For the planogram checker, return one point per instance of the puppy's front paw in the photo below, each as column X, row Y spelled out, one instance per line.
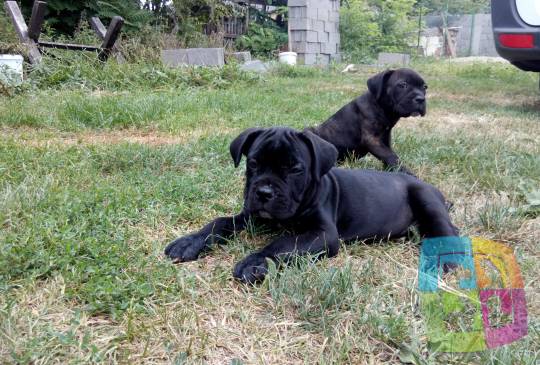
column 251, row 269
column 185, row 248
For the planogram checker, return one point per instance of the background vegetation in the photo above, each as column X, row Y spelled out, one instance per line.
column 367, row 26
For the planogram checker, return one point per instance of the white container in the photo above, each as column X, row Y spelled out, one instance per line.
column 288, row 57
column 11, row 69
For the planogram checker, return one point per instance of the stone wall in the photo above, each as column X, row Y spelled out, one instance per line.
column 314, row 30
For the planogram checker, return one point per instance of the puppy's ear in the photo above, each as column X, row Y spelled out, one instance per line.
column 323, row 154
column 377, row 84
column 241, row 144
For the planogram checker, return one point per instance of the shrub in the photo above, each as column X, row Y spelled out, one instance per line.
column 368, row 27
column 262, row 40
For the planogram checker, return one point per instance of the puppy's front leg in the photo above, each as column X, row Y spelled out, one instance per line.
column 188, row 248
column 254, row 267
column 387, row 156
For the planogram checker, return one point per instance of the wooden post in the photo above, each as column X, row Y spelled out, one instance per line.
column 110, row 37
column 22, row 30
column 36, row 20
column 98, row 27
column 101, row 31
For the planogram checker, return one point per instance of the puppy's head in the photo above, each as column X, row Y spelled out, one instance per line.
column 282, row 167
column 402, row 90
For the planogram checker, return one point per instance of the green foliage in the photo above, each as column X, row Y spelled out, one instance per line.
column 64, row 16
column 455, row 6
column 262, row 40
column 84, row 72
column 371, row 26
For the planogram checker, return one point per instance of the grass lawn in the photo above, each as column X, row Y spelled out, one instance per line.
column 97, row 174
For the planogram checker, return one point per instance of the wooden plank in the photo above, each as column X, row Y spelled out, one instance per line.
column 18, row 21
column 110, row 38
column 98, row 27
column 36, row 20
column 73, row 47
column 22, row 31
column 101, row 31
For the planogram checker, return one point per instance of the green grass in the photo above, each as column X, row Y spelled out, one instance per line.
column 100, row 166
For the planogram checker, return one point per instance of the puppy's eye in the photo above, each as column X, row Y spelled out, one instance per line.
column 252, row 164
column 403, row 85
column 425, row 87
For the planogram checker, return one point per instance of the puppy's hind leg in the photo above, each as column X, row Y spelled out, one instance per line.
column 430, row 211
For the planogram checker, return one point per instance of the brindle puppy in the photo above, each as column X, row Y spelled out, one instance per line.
column 365, row 124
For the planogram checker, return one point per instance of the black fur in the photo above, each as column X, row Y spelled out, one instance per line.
column 365, row 124
column 290, row 180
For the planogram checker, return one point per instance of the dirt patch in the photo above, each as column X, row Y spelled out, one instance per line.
column 495, row 99
column 35, row 138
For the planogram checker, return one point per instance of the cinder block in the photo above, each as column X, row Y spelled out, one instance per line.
column 311, row 12
column 174, row 57
column 306, row 47
column 241, row 57
column 298, row 35
column 312, row 36
column 333, row 37
column 323, row 37
column 297, row 2
column 307, row 58
column 333, row 16
column 323, row 59
column 331, row 27
column 322, row 14
column 318, row 25
column 304, row 36
column 193, row 56
column 297, row 12
column 329, row 48
column 394, row 59
column 206, row 56
column 300, row 24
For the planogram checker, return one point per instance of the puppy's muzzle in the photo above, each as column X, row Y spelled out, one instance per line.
column 420, row 100
column 265, row 193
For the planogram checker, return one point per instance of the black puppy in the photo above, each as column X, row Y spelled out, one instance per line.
column 365, row 124
column 290, row 180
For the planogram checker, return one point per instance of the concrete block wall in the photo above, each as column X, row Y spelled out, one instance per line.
column 475, row 36
column 314, row 30
column 481, row 43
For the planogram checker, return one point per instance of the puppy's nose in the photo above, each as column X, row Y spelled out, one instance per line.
column 265, row 193
column 420, row 99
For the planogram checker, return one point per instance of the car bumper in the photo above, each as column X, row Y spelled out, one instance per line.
column 506, row 21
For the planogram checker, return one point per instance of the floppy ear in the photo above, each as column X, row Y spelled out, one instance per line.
column 241, row 144
column 323, row 154
column 376, row 84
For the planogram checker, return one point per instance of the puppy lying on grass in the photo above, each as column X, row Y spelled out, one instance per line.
column 290, row 180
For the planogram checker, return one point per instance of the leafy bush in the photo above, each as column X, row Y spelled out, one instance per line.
column 261, row 40
column 65, row 15
column 368, row 27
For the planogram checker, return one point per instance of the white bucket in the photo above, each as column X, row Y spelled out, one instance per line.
column 288, row 58
column 11, row 69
